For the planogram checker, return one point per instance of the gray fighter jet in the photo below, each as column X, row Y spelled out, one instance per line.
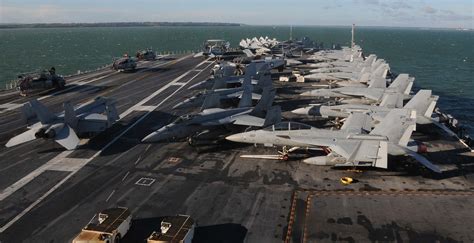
column 401, row 85
column 244, row 115
column 379, row 69
column 423, row 102
column 348, row 146
column 227, row 79
column 92, row 117
column 213, row 98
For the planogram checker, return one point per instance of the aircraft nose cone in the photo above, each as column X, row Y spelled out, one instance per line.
column 234, row 138
column 309, row 110
column 152, row 137
column 156, row 136
column 307, row 93
column 301, row 111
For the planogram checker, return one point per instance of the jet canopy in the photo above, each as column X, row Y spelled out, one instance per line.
column 288, row 126
column 183, row 118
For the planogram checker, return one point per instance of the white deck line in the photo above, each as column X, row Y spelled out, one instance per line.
column 55, row 161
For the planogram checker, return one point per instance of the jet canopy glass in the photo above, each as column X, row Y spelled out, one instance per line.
column 287, row 126
column 183, row 119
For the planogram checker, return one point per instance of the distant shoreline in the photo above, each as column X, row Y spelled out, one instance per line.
column 113, row 24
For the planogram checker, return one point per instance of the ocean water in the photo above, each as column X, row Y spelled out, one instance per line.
column 441, row 60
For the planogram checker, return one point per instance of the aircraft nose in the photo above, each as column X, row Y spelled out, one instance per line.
column 156, row 136
column 302, row 111
column 235, row 137
column 307, row 93
column 309, row 110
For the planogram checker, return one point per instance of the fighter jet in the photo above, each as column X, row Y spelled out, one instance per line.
column 345, row 147
column 346, row 54
column 243, row 115
column 402, row 84
column 423, row 102
column 342, row 63
column 92, row 117
column 379, row 69
column 223, row 81
column 213, row 98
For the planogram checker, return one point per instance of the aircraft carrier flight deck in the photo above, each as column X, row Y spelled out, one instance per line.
column 48, row 193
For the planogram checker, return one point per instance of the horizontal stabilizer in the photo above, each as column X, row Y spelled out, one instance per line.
column 22, row 138
column 67, row 138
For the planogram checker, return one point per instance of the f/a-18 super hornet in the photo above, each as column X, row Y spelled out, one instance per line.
column 359, row 73
column 401, row 85
column 125, row 63
column 423, row 102
column 348, row 146
column 92, row 117
column 187, row 126
column 346, row 54
column 213, row 98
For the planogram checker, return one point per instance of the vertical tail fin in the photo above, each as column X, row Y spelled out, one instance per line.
column 246, row 99
column 423, row 103
column 251, row 69
column 70, row 117
column 211, row 101
column 392, row 100
column 273, row 116
column 397, row 126
column 44, row 115
column 402, row 83
column 111, row 111
column 265, row 102
column 219, row 83
column 263, row 82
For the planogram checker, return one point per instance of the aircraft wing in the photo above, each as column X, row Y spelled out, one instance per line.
column 22, row 138
column 248, row 120
column 356, row 152
column 422, row 160
column 67, row 138
column 356, row 123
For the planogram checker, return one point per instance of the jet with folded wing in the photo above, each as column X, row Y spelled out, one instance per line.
column 401, row 85
column 349, row 146
column 92, row 117
column 423, row 102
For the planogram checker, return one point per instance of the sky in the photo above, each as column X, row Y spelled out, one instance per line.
column 396, row 13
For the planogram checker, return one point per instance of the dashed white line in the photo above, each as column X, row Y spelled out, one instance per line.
column 110, row 195
column 125, row 176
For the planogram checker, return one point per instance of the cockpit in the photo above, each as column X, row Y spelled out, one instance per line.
column 288, row 126
column 183, row 119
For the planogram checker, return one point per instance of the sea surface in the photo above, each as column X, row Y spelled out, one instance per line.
column 440, row 60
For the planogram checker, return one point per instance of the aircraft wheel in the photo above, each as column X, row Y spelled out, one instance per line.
column 117, row 238
column 191, row 141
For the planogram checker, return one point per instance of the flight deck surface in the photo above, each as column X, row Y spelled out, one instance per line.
column 49, row 194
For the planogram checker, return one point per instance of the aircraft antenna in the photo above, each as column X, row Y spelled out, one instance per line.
column 352, row 40
column 291, row 32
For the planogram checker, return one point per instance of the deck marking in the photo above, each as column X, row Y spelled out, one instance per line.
column 110, row 195
column 19, row 184
column 125, row 176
